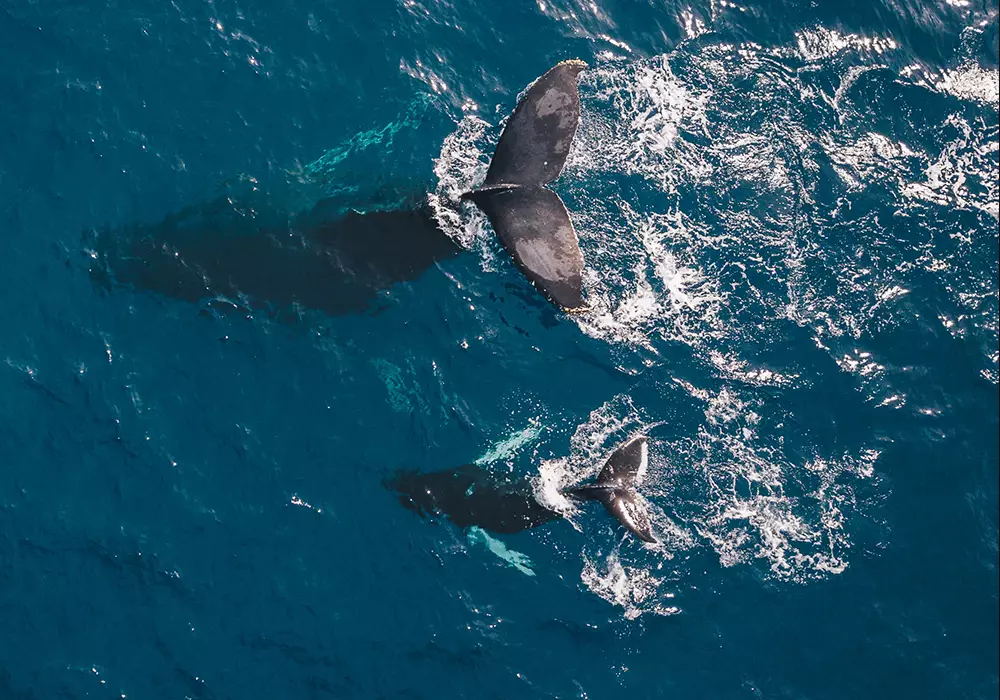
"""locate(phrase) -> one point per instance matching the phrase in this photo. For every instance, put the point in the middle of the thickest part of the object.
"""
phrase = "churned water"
(789, 216)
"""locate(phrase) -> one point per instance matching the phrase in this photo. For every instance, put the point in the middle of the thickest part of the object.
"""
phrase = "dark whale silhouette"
(471, 496)
(247, 253)
(269, 260)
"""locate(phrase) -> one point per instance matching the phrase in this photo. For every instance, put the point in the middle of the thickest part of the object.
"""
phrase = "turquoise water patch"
(519, 561)
(403, 393)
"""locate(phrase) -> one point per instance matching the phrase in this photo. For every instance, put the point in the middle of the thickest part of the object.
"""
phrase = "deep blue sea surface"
(789, 216)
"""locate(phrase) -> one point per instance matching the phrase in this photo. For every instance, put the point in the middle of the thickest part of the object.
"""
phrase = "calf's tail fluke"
(615, 487)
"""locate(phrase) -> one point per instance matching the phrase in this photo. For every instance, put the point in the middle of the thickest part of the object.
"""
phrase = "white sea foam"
(727, 489)
(460, 167)
(972, 83)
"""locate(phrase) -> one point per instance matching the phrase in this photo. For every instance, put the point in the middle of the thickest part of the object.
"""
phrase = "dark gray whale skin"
(471, 496)
(531, 222)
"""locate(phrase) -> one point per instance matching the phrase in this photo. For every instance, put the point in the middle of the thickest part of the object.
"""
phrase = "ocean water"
(789, 216)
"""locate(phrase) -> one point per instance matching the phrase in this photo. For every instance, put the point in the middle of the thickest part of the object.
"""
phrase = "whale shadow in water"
(259, 258)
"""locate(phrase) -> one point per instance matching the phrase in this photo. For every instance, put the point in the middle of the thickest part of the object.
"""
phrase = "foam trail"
(728, 489)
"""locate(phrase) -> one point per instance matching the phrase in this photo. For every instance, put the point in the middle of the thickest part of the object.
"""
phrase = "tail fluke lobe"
(627, 464)
(534, 144)
(535, 228)
(624, 504)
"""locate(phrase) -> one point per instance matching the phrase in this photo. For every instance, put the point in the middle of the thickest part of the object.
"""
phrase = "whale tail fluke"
(531, 221)
(615, 487)
(473, 495)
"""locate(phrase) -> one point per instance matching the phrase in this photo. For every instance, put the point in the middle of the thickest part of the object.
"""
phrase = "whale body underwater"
(322, 259)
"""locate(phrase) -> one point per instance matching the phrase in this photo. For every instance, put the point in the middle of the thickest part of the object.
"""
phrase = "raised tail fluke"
(623, 470)
(531, 221)
(615, 487)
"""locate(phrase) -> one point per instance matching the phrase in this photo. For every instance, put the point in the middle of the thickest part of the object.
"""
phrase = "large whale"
(254, 255)
(471, 496)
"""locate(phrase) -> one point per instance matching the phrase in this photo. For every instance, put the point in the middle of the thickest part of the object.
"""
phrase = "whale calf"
(471, 496)
(531, 221)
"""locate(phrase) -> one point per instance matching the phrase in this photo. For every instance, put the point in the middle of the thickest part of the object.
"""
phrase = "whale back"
(471, 496)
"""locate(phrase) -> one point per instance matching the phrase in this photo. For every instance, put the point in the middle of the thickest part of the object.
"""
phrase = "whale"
(530, 220)
(243, 253)
(471, 496)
